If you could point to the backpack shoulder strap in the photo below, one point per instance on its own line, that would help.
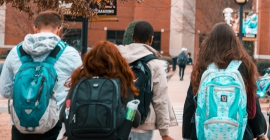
(56, 52)
(212, 66)
(234, 65)
(147, 58)
(24, 57)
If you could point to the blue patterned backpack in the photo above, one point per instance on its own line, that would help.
(221, 104)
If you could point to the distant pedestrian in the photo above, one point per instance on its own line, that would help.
(221, 101)
(182, 62)
(160, 115)
(33, 76)
(174, 63)
(189, 60)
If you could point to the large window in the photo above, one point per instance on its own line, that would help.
(73, 38)
(157, 41)
(115, 37)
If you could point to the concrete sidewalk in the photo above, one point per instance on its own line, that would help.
(177, 93)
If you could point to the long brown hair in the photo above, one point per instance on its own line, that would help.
(221, 46)
(104, 60)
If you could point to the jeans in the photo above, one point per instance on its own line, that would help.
(141, 136)
(181, 71)
(50, 135)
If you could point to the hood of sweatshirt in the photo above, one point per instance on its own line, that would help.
(39, 44)
(136, 51)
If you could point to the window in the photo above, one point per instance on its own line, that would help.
(73, 37)
(115, 37)
(157, 41)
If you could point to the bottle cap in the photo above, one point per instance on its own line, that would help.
(133, 104)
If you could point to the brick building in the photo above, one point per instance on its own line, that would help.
(263, 39)
(262, 7)
(155, 12)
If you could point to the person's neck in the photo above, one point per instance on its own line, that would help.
(46, 31)
(147, 43)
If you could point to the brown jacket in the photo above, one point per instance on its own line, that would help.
(161, 115)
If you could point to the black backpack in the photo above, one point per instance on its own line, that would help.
(96, 111)
(143, 83)
(182, 59)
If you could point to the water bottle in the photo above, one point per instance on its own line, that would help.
(131, 109)
(130, 114)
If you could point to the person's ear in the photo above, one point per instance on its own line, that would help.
(58, 31)
(133, 38)
(35, 29)
(151, 40)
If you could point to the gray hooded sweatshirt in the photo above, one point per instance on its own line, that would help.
(39, 46)
(161, 115)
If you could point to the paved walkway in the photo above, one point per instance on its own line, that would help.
(177, 93)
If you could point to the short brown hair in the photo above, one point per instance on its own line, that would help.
(48, 19)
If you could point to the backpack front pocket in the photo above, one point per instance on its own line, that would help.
(221, 129)
(92, 119)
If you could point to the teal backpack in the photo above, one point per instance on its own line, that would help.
(221, 104)
(32, 104)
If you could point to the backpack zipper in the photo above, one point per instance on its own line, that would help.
(222, 121)
(223, 89)
(74, 118)
(40, 90)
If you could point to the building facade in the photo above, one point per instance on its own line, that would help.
(261, 42)
(262, 45)
(182, 26)
(157, 13)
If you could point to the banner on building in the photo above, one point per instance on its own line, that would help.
(250, 23)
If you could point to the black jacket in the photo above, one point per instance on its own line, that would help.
(255, 126)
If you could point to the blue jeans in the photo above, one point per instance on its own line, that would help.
(141, 136)
(181, 71)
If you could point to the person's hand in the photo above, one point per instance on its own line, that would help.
(167, 137)
(262, 138)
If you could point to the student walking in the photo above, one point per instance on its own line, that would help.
(160, 114)
(182, 62)
(39, 67)
(223, 84)
(94, 96)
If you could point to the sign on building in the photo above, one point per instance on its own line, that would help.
(104, 10)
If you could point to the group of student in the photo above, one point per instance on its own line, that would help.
(44, 49)
(221, 102)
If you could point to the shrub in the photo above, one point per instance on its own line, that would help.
(128, 33)
(166, 58)
(262, 65)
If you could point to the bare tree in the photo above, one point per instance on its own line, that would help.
(18, 24)
(204, 14)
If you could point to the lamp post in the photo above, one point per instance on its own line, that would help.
(241, 3)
